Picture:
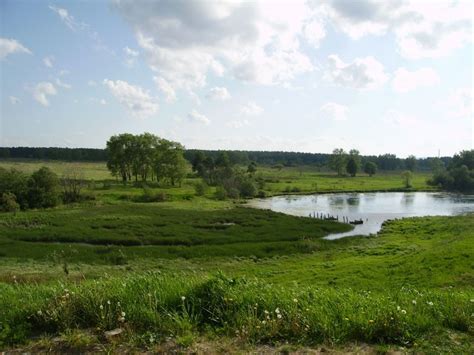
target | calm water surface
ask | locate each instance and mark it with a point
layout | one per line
(372, 208)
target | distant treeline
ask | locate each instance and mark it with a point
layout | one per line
(67, 154)
(384, 162)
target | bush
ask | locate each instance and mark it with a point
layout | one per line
(8, 202)
(150, 196)
(43, 189)
(200, 188)
(261, 194)
(221, 193)
(247, 188)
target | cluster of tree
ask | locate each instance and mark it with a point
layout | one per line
(146, 157)
(350, 163)
(67, 154)
(459, 174)
(230, 180)
(20, 191)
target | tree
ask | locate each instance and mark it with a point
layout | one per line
(353, 162)
(459, 176)
(252, 168)
(72, 183)
(43, 189)
(8, 202)
(410, 163)
(370, 168)
(15, 182)
(407, 177)
(120, 154)
(338, 161)
(169, 162)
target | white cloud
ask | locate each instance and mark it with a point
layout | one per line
(238, 124)
(335, 111)
(361, 73)
(405, 80)
(314, 32)
(422, 29)
(138, 101)
(14, 100)
(92, 83)
(256, 41)
(10, 46)
(165, 88)
(195, 116)
(63, 72)
(63, 85)
(48, 61)
(251, 109)
(67, 19)
(131, 56)
(41, 92)
(400, 119)
(460, 103)
(218, 93)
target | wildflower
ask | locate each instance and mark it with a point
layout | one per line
(277, 310)
(108, 302)
(307, 309)
(118, 304)
(403, 311)
(430, 303)
(398, 308)
(101, 307)
(39, 313)
(123, 314)
(472, 300)
(183, 298)
(346, 318)
(414, 301)
(265, 311)
(264, 322)
(295, 300)
(371, 320)
(279, 316)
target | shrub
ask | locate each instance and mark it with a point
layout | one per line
(247, 188)
(8, 202)
(200, 188)
(150, 196)
(221, 193)
(43, 189)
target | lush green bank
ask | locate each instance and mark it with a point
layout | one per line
(151, 307)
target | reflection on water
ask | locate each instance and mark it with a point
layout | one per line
(373, 208)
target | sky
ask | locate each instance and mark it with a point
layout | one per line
(310, 76)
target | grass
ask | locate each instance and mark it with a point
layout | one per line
(151, 307)
(231, 264)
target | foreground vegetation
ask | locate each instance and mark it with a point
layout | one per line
(168, 264)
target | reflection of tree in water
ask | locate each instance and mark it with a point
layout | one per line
(408, 199)
(336, 200)
(353, 201)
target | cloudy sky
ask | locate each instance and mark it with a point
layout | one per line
(380, 76)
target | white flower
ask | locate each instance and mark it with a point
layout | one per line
(277, 310)
(279, 316)
(472, 300)
(108, 302)
(430, 303)
(39, 313)
(414, 301)
(183, 298)
(123, 314)
(265, 311)
(398, 308)
(101, 307)
(403, 311)
(295, 300)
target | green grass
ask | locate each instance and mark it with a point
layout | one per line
(58, 266)
(151, 307)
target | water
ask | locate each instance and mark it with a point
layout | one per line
(372, 208)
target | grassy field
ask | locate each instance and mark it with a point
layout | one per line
(197, 273)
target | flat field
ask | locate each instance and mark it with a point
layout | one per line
(192, 271)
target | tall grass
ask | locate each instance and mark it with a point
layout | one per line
(152, 307)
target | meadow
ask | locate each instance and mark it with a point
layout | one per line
(192, 270)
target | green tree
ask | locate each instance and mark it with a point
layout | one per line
(353, 162)
(120, 152)
(8, 202)
(370, 168)
(252, 168)
(15, 182)
(407, 177)
(43, 189)
(410, 163)
(338, 161)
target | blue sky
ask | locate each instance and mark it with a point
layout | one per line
(379, 76)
